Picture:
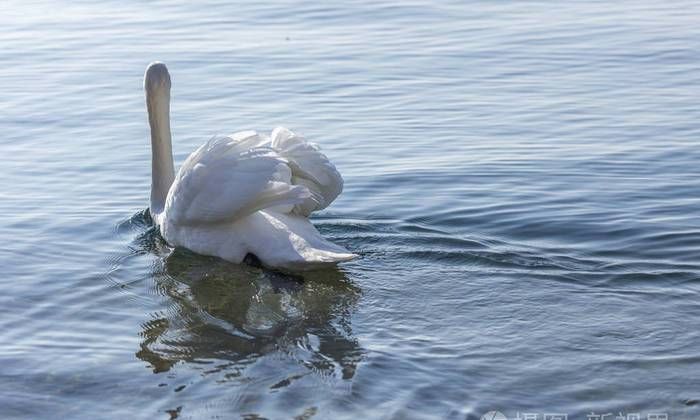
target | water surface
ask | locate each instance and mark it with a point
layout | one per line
(521, 182)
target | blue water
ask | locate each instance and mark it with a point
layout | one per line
(521, 182)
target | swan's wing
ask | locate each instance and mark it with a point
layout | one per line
(310, 168)
(228, 178)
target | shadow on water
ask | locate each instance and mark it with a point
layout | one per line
(225, 316)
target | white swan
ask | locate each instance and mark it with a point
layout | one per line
(240, 194)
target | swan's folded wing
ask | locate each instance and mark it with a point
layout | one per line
(228, 178)
(310, 168)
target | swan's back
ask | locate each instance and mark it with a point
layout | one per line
(247, 193)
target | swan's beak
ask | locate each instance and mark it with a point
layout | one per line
(156, 78)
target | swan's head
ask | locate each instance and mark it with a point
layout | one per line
(157, 79)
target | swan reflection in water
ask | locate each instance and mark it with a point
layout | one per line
(226, 317)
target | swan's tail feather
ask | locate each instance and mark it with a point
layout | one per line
(292, 242)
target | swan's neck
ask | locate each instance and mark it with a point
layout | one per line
(162, 171)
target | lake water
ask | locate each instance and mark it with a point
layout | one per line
(522, 183)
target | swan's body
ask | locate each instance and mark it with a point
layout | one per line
(241, 194)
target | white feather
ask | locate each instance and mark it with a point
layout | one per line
(229, 178)
(310, 168)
